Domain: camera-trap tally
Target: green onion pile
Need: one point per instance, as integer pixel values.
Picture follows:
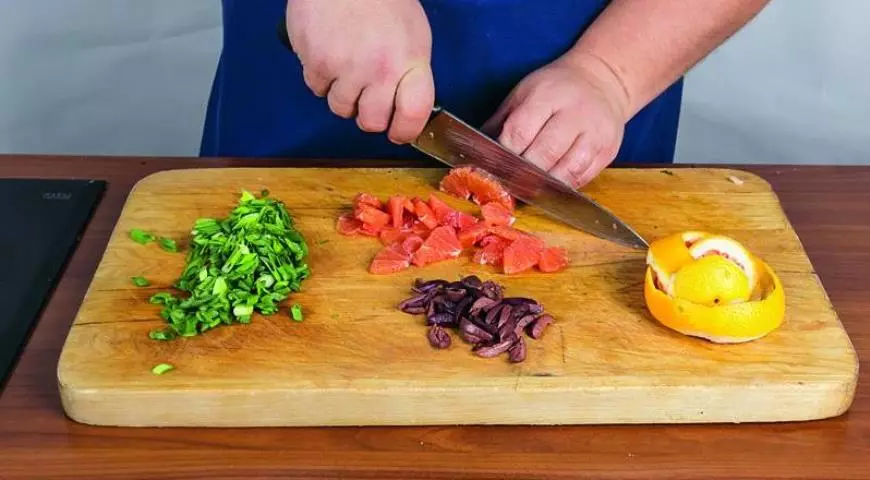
(246, 263)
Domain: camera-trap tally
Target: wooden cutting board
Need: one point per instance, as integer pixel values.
(356, 360)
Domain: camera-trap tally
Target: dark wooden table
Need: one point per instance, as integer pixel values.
(829, 207)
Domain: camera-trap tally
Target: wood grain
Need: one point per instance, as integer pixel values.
(828, 206)
(356, 360)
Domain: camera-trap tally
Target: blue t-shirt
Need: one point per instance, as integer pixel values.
(260, 105)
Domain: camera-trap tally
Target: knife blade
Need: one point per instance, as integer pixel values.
(455, 143)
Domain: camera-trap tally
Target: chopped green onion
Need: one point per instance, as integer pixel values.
(235, 267)
(296, 312)
(140, 281)
(141, 236)
(168, 244)
(162, 368)
(163, 335)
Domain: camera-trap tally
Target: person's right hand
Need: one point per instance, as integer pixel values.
(369, 58)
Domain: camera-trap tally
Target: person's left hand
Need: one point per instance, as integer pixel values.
(567, 117)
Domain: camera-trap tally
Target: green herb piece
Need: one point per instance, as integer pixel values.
(162, 368)
(168, 244)
(322, 242)
(140, 281)
(264, 192)
(162, 335)
(141, 236)
(296, 312)
(235, 267)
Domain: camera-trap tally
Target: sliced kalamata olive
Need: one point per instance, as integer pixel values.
(493, 313)
(504, 315)
(514, 301)
(508, 327)
(489, 351)
(455, 294)
(517, 351)
(509, 336)
(473, 329)
(422, 287)
(415, 301)
(519, 311)
(462, 309)
(438, 337)
(536, 329)
(474, 340)
(430, 309)
(440, 319)
(492, 290)
(523, 322)
(482, 324)
(442, 304)
(472, 282)
(482, 304)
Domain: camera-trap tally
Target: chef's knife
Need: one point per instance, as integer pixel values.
(455, 143)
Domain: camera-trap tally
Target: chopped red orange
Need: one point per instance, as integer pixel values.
(371, 215)
(553, 259)
(396, 208)
(390, 259)
(442, 244)
(496, 215)
(521, 255)
(425, 214)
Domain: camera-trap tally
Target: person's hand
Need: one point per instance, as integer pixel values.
(567, 117)
(369, 58)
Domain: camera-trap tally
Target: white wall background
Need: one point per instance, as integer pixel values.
(132, 77)
(126, 77)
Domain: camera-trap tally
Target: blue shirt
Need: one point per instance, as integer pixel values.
(260, 105)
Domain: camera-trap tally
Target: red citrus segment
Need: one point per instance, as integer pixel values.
(442, 244)
(425, 214)
(370, 230)
(474, 184)
(521, 255)
(460, 220)
(411, 244)
(496, 215)
(348, 225)
(553, 259)
(491, 251)
(510, 233)
(469, 236)
(440, 208)
(392, 235)
(371, 215)
(489, 239)
(396, 208)
(390, 259)
(367, 199)
(419, 229)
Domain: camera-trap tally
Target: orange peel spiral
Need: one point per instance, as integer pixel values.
(741, 310)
